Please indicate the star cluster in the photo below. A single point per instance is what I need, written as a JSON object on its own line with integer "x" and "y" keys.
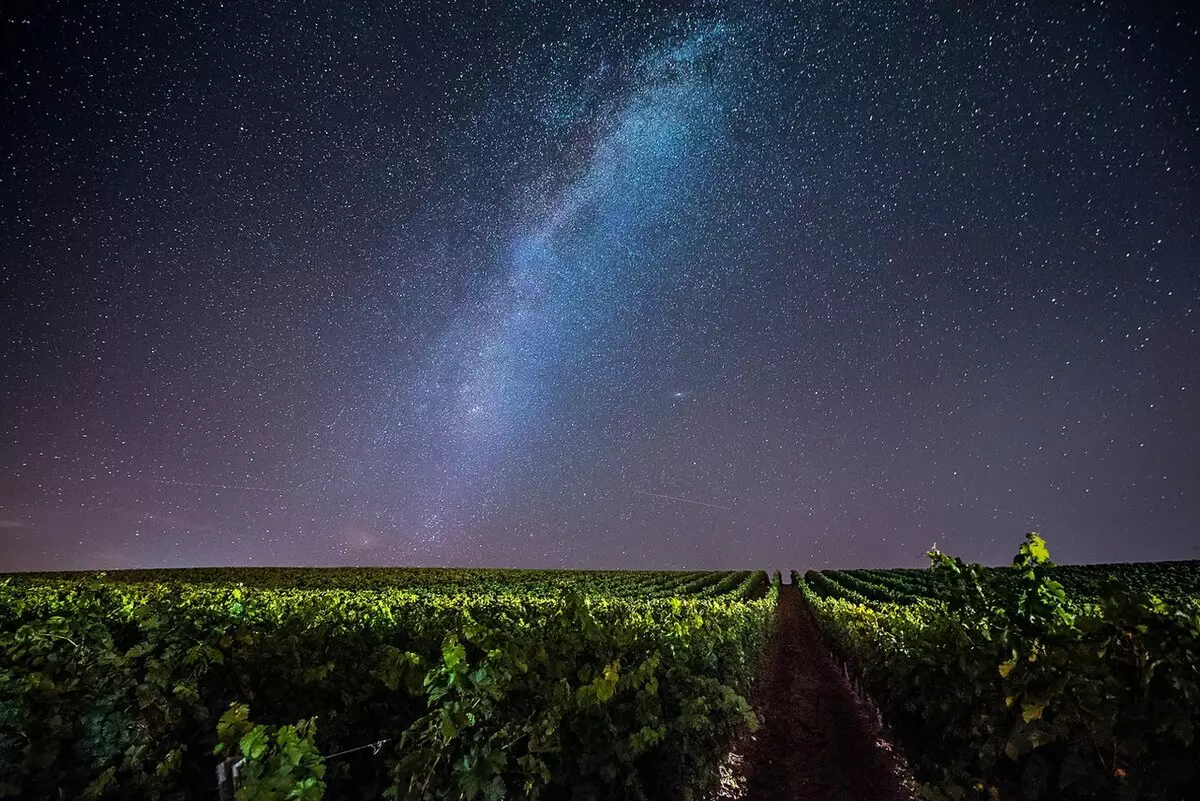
{"x": 597, "y": 285}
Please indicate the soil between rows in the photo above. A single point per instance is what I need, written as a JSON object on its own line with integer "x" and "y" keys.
{"x": 818, "y": 741}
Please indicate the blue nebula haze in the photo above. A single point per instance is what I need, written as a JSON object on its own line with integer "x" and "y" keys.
{"x": 583, "y": 258}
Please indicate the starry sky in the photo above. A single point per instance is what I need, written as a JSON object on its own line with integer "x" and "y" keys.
{"x": 613, "y": 284}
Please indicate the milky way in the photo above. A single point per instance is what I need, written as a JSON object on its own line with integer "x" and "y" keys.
{"x": 583, "y": 259}
{"x": 605, "y": 285}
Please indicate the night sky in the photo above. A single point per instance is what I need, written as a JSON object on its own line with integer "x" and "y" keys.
{"x": 603, "y": 284}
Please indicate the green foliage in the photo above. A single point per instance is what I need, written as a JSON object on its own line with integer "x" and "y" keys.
{"x": 70, "y": 691}
{"x": 274, "y": 762}
{"x": 1002, "y": 683}
{"x": 583, "y": 684}
{"x": 510, "y": 715}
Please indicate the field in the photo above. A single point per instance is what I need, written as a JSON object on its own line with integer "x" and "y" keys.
{"x": 1171, "y": 580}
{"x": 352, "y": 682}
{"x": 1032, "y": 681}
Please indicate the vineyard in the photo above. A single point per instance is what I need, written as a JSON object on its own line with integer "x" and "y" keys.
{"x": 356, "y": 683}
{"x": 1033, "y": 681}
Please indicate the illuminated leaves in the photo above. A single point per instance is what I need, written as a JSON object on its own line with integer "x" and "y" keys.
{"x": 1001, "y": 681}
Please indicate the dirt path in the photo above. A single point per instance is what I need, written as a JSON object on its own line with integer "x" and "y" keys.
{"x": 817, "y": 741}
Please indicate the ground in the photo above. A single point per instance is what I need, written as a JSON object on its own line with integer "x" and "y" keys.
{"x": 818, "y": 741}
